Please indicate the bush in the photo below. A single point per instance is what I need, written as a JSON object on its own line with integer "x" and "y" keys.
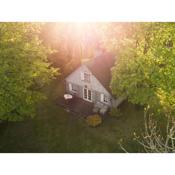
{"x": 94, "y": 120}
{"x": 115, "y": 112}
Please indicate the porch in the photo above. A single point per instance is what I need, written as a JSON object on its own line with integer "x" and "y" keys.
{"x": 81, "y": 107}
{"x": 77, "y": 106}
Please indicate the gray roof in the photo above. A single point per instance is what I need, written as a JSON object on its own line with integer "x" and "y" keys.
{"x": 101, "y": 66}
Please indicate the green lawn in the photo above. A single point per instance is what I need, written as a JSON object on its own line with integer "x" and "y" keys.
{"x": 55, "y": 130}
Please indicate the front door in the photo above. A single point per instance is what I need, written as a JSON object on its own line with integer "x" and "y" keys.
{"x": 87, "y": 94}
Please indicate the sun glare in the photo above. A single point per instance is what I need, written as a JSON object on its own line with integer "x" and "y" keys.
{"x": 77, "y": 30}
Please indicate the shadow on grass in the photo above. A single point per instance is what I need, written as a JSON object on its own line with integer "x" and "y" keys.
{"x": 55, "y": 130}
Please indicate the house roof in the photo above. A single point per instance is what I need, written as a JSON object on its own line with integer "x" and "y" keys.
{"x": 101, "y": 66}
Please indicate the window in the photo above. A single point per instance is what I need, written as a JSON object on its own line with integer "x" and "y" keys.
{"x": 104, "y": 98}
{"x": 72, "y": 87}
{"x": 87, "y": 94}
{"x": 86, "y": 77}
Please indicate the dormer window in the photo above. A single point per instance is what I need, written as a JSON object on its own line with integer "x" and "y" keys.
{"x": 85, "y": 77}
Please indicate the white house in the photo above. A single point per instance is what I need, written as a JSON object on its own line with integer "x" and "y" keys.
{"x": 91, "y": 81}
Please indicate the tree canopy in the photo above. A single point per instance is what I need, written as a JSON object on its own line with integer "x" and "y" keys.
{"x": 145, "y": 66}
{"x": 73, "y": 42}
{"x": 24, "y": 69}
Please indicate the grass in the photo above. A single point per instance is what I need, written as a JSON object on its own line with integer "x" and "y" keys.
{"x": 55, "y": 130}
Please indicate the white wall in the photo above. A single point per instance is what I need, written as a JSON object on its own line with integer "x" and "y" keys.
{"x": 94, "y": 84}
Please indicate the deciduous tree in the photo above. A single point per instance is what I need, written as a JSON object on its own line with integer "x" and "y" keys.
{"x": 24, "y": 69}
{"x": 145, "y": 66}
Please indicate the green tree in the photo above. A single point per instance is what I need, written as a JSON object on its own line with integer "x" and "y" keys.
{"x": 24, "y": 70}
{"x": 145, "y": 66}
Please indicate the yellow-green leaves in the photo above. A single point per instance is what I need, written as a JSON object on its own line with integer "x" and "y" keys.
{"x": 24, "y": 69}
{"x": 145, "y": 72}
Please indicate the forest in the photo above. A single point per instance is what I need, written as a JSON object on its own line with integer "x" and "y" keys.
{"x": 35, "y": 58}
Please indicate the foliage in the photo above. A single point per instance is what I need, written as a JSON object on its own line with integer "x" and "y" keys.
{"x": 94, "y": 120}
{"x": 24, "y": 70}
{"x": 153, "y": 140}
{"x": 144, "y": 70}
{"x": 76, "y": 41}
{"x": 115, "y": 112}
{"x": 73, "y": 42}
{"x": 45, "y": 132}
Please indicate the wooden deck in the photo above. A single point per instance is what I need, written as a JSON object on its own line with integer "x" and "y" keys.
{"x": 77, "y": 106}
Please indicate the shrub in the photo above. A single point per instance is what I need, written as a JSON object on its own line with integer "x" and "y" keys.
{"x": 115, "y": 112}
{"x": 94, "y": 120}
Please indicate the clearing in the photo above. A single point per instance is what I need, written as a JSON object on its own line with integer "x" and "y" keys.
{"x": 55, "y": 130}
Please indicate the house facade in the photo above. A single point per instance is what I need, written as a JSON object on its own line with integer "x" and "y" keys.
{"x": 91, "y": 82}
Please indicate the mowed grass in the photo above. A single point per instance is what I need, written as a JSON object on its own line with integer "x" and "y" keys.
{"x": 55, "y": 130}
